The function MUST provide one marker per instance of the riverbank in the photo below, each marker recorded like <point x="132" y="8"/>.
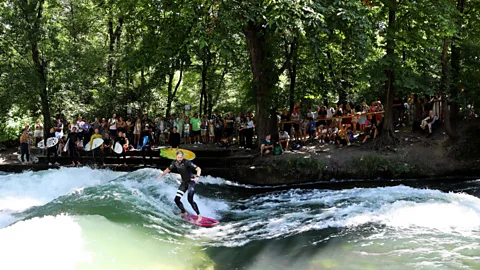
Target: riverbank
<point x="416" y="157"/>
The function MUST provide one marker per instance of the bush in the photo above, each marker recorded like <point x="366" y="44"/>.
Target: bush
<point x="371" y="166"/>
<point x="11" y="127"/>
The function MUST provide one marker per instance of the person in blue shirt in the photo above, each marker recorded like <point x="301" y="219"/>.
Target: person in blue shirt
<point x="350" y="136"/>
<point x="312" y="128"/>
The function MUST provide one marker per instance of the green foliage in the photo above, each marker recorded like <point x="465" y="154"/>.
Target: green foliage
<point x="372" y="166"/>
<point x="11" y="127"/>
<point x="295" y="165"/>
<point x="117" y="56"/>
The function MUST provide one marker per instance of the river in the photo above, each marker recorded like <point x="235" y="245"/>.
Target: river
<point x="79" y="218"/>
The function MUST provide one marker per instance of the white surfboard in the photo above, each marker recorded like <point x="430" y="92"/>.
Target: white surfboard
<point x="118" y="148"/>
<point x="95" y="144"/>
<point x="51" y="142"/>
<point x="87" y="147"/>
<point x="41" y="144"/>
<point x="65" y="149"/>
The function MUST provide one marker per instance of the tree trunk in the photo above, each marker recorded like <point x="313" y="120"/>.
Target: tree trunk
<point x="113" y="69"/>
<point x="212" y="100"/>
<point x="169" y="92"/>
<point x="265" y="74"/>
<point x="255" y="38"/>
<point x="455" y="62"/>
<point x="443" y="89"/>
<point x="169" y="101"/>
<point x="205" y="104"/>
<point x="41" y="69"/>
<point x="292" y="70"/>
<point x="201" y="103"/>
<point x="204" y="84"/>
<point x="388" y="137"/>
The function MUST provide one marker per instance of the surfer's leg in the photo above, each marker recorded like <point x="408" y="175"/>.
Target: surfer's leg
<point x="100" y="154"/>
<point x="151" y="154"/>
<point x="48" y="155"/>
<point x="191" y="192"/>
<point x="55" y="150"/>
<point x="181" y="190"/>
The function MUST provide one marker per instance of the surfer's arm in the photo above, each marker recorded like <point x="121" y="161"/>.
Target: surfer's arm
<point x="167" y="170"/>
<point x="199" y="172"/>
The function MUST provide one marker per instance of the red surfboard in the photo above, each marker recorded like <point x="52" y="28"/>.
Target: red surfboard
<point x="204" y="222"/>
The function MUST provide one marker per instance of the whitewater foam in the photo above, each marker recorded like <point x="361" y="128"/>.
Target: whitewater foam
<point x="19" y="192"/>
<point x="286" y="213"/>
<point x="49" y="242"/>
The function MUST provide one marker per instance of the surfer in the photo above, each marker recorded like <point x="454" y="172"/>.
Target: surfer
<point x="122" y="141"/>
<point x="73" y="140"/>
<point x="51" y="150"/>
<point x="97" y="152"/>
<point x="184" y="168"/>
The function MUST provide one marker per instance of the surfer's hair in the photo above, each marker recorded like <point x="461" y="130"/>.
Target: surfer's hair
<point x="179" y="153"/>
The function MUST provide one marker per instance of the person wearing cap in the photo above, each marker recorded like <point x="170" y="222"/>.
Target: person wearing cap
<point x="184" y="168"/>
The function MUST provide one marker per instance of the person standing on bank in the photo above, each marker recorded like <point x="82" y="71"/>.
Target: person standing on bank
<point x="24" y="146"/>
<point x="185" y="168"/>
<point x="38" y="133"/>
<point x="148" y="146"/>
<point x="52" y="150"/>
<point x="174" y="138"/>
<point x="123" y="142"/>
<point x="97" y="152"/>
<point x="73" y="140"/>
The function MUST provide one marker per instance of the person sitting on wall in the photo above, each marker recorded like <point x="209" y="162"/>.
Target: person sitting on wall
<point x="371" y="133"/>
<point x="430" y="122"/>
<point x="284" y="140"/>
<point x="266" y="146"/>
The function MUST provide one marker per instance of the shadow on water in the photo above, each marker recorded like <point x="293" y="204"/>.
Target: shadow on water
<point x="286" y="253"/>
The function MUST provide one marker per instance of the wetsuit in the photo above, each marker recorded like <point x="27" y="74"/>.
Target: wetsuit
<point x="72" y="146"/>
<point x="53" y="149"/>
<point x="97" y="152"/>
<point x="175" y="139"/>
<point x="122" y="142"/>
<point x="185" y="168"/>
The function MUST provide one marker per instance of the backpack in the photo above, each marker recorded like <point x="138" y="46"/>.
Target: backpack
<point x="277" y="150"/>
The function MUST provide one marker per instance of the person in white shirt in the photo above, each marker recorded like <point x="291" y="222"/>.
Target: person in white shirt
<point x="80" y="124"/>
<point x="312" y="114"/>
<point x="112" y="126"/>
<point x="284" y="139"/>
<point x="59" y="129"/>
<point x="322" y="134"/>
<point x="249" y="133"/>
<point x="429" y="122"/>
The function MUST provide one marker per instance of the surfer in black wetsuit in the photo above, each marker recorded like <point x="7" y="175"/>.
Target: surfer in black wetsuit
<point x="184" y="168"/>
<point x="51" y="150"/>
<point x="122" y="141"/>
<point x="72" y="145"/>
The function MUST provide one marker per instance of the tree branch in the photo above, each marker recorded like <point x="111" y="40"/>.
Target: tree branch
<point x="289" y="57"/>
